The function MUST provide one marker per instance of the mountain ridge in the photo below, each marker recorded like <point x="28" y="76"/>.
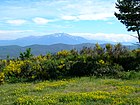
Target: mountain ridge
<point x="49" y="40"/>
<point x="13" y="51"/>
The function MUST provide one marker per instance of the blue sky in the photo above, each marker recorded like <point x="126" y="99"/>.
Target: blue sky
<point x="91" y="19"/>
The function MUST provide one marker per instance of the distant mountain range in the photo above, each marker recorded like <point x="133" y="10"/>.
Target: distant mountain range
<point x="49" y="40"/>
<point x="14" y="51"/>
<point x="47" y="44"/>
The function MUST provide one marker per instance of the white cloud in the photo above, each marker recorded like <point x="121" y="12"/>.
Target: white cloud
<point x="100" y="16"/>
<point x="60" y="9"/>
<point x="110" y="23"/>
<point x="69" y="17"/>
<point x="41" y="21"/>
<point x="13" y="34"/>
<point x="88" y="17"/>
<point x="13" y="31"/>
<point x="16" y="22"/>
<point x="107" y="37"/>
<point x="88" y="10"/>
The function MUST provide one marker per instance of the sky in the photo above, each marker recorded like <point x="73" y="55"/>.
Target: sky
<point x="91" y="19"/>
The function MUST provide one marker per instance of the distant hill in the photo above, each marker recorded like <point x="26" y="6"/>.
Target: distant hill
<point x="13" y="50"/>
<point x="48" y="40"/>
<point x="44" y="44"/>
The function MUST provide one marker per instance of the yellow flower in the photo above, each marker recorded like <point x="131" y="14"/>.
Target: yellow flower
<point x="101" y="62"/>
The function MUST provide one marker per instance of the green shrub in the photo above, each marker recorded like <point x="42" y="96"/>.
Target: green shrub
<point x="112" y="61"/>
<point x="2" y="77"/>
<point x="14" y="68"/>
<point x="129" y="75"/>
<point x="26" y="55"/>
<point x="138" y="68"/>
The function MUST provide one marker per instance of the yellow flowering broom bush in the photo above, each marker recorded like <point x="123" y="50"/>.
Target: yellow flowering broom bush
<point x="14" y="68"/>
<point x="2" y="77"/>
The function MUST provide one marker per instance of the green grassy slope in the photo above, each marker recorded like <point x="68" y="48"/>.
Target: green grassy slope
<point x="76" y="91"/>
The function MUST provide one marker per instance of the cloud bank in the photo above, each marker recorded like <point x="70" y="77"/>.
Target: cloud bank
<point x="40" y="21"/>
<point x="16" y="22"/>
<point x="20" y="18"/>
<point x="60" y="9"/>
<point x="107" y="37"/>
<point x="5" y="34"/>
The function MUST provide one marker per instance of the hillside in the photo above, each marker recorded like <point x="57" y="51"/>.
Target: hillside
<point x="13" y="50"/>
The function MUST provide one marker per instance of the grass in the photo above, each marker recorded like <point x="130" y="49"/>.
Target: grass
<point x="75" y="91"/>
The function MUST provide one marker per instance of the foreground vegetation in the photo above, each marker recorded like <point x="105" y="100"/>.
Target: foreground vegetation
<point x="72" y="77"/>
<point x="75" y="91"/>
<point x="109" y="61"/>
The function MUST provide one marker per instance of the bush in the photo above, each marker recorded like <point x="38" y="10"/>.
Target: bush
<point x="130" y="75"/>
<point x="2" y="77"/>
<point x="109" y="71"/>
<point x="13" y="69"/>
<point x="138" y="68"/>
<point x="112" y="61"/>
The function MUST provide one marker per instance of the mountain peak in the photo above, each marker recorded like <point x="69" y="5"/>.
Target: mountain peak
<point x="60" y="34"/>
<point x="48" y="40"/>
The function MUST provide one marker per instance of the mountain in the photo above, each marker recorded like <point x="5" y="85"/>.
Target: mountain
<point x="14" y="51"/>
<point x="54" y="39"/>
<point x="44" y="44"/>
<point x="48" y="40"/>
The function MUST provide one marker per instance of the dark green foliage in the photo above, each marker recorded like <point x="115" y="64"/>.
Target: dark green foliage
<point x="111" y="61"/>
<point x="129" y="75"/>
<point x="129" y="14"/>
<point x="26" y="55"/>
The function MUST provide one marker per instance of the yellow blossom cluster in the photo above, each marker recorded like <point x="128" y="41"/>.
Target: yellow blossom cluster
<point x="14" y="67"/>
<point x="2" y="77"/>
